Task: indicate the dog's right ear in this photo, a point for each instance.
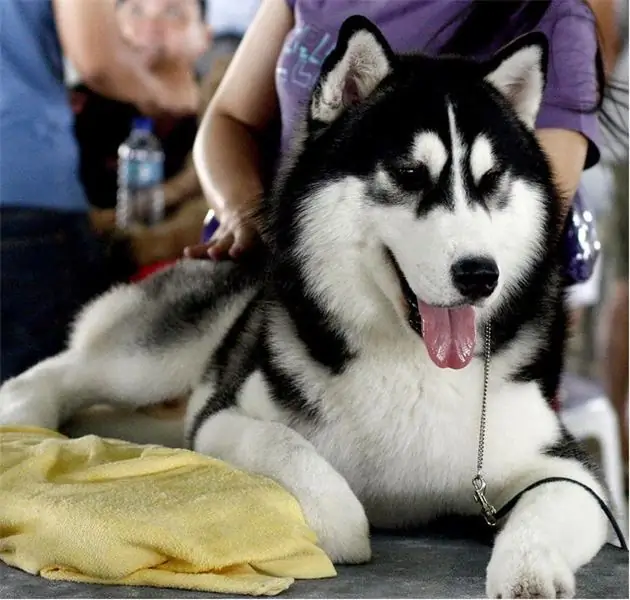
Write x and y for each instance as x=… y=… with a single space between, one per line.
x=361 y=59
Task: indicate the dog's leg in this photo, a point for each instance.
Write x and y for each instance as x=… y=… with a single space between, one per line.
x=40 y=396
x=55 y=389
x=101 y=365
x=274 y=450
x=552 y=531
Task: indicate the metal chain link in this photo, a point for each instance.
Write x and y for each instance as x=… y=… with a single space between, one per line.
x=479 y=483
x=487 y=347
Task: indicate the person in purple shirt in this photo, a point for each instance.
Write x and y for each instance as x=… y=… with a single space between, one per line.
x=277 y=65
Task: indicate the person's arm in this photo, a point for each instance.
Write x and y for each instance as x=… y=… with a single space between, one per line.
x=185 y=184
x=566 y=151
x=567 y=126
x=226 y=153
x=607 y=17
x=91 y=40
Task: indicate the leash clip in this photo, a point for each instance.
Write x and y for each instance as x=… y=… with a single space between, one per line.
x=487 y=510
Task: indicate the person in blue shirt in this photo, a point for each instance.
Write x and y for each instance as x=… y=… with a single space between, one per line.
x=51 y=261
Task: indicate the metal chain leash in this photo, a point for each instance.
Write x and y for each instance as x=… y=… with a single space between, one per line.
x=479 y=483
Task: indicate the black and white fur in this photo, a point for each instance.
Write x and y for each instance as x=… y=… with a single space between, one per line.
x=303 y=365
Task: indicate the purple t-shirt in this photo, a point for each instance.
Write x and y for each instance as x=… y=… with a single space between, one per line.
x=411 y=25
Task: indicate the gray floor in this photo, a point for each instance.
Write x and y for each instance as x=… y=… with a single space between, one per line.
x=402 y=567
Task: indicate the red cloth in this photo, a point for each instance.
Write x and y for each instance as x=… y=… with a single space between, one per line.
x=150 y=269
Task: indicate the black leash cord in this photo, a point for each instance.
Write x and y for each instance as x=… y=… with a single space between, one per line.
x=506 y=508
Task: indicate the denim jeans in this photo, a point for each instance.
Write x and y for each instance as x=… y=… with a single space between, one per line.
x=51 y=264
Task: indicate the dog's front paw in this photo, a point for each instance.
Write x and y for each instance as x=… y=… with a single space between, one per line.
x=528 y=569
x=338 y=518
x=22 y=403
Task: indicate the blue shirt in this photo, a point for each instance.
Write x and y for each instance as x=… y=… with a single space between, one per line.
x=39 y=156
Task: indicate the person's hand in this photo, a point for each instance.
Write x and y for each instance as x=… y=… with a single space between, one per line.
x=103 y=220
x=173 y=98
x=173 y=195
x=171 y=91
x=235 y=235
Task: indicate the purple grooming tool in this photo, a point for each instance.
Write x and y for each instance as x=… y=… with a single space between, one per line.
x=210 y=225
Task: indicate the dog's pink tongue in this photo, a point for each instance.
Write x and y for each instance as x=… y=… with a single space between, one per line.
x=449 y=334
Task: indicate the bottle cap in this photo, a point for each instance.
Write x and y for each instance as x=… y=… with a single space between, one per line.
x=142 y=124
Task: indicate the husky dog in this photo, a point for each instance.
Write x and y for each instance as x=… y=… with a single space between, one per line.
x=347 y=363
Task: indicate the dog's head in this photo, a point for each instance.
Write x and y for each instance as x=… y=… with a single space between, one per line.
x=434 y=163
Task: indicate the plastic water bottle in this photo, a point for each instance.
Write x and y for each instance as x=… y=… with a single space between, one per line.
x=140 y=199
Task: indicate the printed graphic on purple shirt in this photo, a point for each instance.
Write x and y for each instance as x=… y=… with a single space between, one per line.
x=299 y=65
x=413 y=25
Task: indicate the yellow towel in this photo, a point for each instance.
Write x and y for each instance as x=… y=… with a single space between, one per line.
x=105 y=511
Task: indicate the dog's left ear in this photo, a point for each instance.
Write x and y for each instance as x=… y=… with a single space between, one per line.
x=519 y=72
x=361 y=59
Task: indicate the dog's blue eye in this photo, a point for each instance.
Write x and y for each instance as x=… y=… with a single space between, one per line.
x=489 y=182
x=413 y=179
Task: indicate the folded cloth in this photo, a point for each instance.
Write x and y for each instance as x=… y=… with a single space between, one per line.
x=98 y=510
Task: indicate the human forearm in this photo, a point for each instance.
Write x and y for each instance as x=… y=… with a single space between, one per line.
x=566 y=151
x=106 y=63
x=226 y=153
x=122 y=81
x=227 y=160
x=182 y=185
x=151 y=91
x=607 y=18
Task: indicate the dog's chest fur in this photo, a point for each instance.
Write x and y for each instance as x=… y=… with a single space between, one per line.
x=404 y=433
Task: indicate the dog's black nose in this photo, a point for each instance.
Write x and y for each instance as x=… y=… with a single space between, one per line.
x=475 y=277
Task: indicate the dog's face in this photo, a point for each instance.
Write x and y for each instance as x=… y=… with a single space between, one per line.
x=437 y=162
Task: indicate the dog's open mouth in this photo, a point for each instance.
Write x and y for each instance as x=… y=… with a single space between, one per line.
x=449 y=332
